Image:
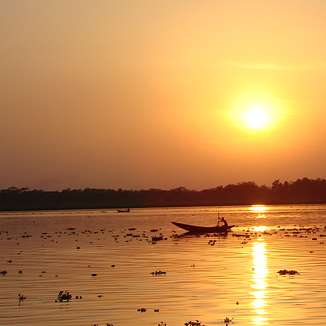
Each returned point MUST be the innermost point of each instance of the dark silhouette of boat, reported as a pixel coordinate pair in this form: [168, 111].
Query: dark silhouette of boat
[126, 210]
[204, 229]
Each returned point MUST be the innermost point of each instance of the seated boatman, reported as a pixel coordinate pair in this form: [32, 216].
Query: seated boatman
[225, 222]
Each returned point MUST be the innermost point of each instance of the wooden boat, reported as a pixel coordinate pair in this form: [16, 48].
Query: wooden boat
[203, 229]
[127, 210]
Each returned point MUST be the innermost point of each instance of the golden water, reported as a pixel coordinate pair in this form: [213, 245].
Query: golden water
[205, 279]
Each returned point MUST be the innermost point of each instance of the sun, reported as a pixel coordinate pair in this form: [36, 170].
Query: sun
[256, 112]
[256, 116]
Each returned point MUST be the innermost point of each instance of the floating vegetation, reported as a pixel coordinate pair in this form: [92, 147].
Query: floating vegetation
[194, 323]
[227, 321]
[64, 296]
[21, 297]
[158, 272]
[286, 272]
[158, 238]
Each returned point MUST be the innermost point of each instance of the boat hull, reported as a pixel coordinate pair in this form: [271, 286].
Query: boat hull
[203, 229]
[127, 210]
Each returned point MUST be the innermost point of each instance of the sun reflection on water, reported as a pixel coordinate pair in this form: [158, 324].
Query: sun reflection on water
[260, 210]
[259, 283]
[261, 228]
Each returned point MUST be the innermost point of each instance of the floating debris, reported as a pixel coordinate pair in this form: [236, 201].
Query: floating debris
[142, 309]
[286, 272]
[194, 323]
[21, 297]
[228, 320]
[4, 272]
[64, 296]
[158, 272]
[158, 238]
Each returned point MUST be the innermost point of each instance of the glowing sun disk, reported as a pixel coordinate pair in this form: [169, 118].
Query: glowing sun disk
[256, 112]
[256, 116]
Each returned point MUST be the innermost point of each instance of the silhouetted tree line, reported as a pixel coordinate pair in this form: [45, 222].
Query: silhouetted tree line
[301, 191]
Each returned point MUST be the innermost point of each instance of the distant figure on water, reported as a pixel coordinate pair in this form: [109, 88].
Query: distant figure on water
[224, 222]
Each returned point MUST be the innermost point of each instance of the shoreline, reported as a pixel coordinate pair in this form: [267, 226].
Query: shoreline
[71, 208]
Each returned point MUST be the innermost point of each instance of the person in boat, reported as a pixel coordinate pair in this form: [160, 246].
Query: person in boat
[224, 222]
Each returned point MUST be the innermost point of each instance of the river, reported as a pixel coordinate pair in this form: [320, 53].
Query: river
[137, 269]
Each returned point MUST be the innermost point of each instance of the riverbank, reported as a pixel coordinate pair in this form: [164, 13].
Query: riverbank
[301, 191]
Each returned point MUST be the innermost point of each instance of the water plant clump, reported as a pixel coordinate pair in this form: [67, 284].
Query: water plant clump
[64, 296]
[288, 272]
[227, 321]
[158, 272]
[194, 323]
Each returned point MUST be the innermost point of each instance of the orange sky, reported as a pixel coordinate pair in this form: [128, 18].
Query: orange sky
[154, 93]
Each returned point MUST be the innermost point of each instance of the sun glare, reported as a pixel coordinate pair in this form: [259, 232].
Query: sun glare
[258, 208]
[259, 283]
[256, 116]
[256, 112]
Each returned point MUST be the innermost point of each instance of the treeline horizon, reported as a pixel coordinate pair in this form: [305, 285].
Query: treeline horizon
[301, 191]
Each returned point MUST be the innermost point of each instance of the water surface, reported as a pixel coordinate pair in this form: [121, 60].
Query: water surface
[202, 278]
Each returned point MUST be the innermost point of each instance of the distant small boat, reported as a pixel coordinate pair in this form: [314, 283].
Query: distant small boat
[126, 210]
[203, 229]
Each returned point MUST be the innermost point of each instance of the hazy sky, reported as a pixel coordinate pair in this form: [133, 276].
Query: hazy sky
[143, 94]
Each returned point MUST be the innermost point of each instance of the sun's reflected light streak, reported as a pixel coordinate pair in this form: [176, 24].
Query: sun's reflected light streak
[259, 283]
[260, 228]
[260, 210]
